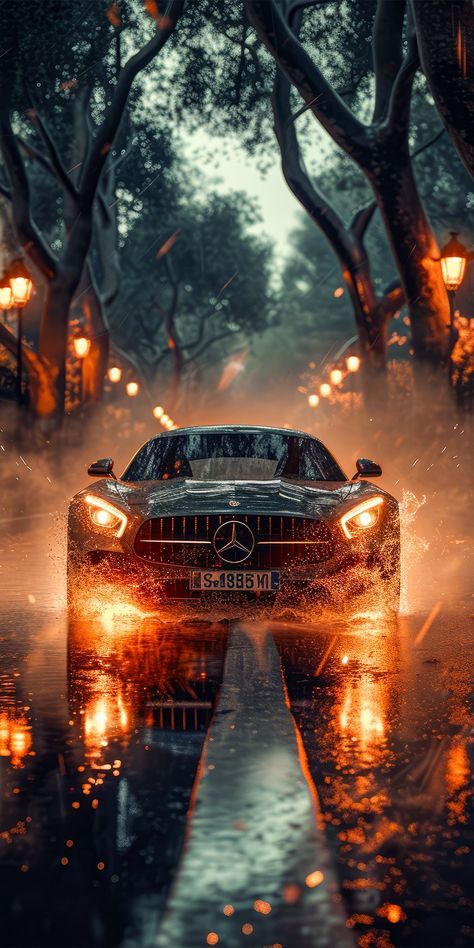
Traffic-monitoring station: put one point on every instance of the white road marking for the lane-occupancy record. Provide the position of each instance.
(255, 831)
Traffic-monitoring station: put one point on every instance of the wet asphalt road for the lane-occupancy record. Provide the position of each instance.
(154, 789)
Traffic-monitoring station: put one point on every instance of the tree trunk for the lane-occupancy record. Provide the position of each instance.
(371, 326)
(417, 256)
(96, 364)
(40, 388)
(445, 33)
(53, 339)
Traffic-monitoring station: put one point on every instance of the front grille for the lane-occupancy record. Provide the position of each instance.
(280, 542)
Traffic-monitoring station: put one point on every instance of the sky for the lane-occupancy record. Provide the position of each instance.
(240, 172)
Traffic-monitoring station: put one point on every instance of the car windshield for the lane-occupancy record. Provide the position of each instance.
(242, 455)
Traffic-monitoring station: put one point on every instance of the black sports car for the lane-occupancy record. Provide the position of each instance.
(234, 509)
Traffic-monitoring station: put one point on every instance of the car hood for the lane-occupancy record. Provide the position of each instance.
(276, 496)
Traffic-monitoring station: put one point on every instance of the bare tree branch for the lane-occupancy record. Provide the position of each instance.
(60, 171)
(5, 191)
(209, 342)
(105, 136)
(328, 107)
(33, 154)
(29, 235)
(386, 51)
(398, 110)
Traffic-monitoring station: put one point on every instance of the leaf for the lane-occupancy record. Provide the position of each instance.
(113, 16)
(168, 244)
(151, 8)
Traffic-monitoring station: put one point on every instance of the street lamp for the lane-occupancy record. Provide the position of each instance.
(82, 346)
(21, 286)
(453, 264)
(353, 363)
(81, 349)
(132, 389)
(20, 282)
(6, 294)
(336, 376)
(158, 412)
(313, 400)
(114, 374)
(325, 390)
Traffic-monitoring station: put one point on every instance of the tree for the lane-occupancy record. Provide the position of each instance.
(381, 150)
(63, 272)
(445, 33)
(194, 281)
(372, 311)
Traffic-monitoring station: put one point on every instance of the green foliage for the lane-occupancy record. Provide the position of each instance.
(206, 247)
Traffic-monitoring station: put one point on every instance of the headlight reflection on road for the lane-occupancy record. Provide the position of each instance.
(113, 609)
(105, 718)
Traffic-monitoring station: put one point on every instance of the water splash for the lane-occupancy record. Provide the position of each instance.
(413, 545)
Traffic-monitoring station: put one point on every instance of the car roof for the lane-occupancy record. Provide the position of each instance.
(230, 429)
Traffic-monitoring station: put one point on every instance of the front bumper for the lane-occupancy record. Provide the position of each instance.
(114, 560)
(166, 582)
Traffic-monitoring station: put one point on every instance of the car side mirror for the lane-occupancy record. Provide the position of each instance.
(102, 468)
(366, 468)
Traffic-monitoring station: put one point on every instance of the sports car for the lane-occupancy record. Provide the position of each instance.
(243, 510)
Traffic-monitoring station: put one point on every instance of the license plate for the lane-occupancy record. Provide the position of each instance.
(231, 580)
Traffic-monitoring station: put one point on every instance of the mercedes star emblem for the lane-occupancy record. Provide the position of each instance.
(234, 541)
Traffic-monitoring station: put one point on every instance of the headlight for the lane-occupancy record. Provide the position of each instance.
(361, 518)
(106, 515)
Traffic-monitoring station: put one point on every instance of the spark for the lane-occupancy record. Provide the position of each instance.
(326, 656)
(229, 281)
(428, 623)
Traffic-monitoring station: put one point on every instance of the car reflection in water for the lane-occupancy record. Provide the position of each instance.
(112, 789)
(140, 698)
(392, 777)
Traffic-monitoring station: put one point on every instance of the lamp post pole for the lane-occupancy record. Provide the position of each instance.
(19, 355)
(453, 332)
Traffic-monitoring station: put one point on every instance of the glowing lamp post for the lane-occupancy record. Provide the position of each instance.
(6, 295)
(21, 286)
(325, 390)
(132, 389)
(82, 347)
(158, 412)
(353, 363)
(336, 376)
(313, 400)
(453, 264)
(114, 374)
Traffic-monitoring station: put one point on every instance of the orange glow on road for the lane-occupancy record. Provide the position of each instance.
(15, 738)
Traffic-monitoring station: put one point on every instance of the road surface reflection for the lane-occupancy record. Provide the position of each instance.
(388, 733)
(102, 728)
(98, 764)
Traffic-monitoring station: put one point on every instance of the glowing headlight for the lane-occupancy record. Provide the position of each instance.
(362, 517)
(106, 515)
